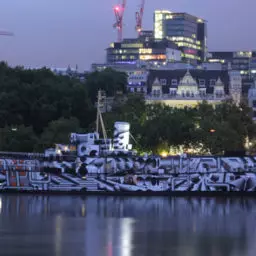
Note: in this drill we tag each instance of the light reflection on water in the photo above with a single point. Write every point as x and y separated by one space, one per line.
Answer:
126 226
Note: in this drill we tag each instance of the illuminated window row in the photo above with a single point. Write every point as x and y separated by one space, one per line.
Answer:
190 56
169 17
153 57
157 12
125 57
181 38
145 50
184 44
244 54
132 45
125 51
217 60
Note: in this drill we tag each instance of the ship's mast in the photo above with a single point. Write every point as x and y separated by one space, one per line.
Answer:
99 120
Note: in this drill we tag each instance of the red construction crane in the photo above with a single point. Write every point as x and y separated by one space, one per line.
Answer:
119 14
139 17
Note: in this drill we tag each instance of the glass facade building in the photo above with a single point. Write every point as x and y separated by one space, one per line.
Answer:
133 50
243 61
188 32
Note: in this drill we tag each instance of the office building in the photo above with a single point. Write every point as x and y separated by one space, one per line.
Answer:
243 61
137 74
139 49
188 32
146 35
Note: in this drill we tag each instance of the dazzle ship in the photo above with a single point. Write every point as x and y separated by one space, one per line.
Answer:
90 164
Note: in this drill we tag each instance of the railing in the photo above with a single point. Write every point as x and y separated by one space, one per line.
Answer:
21 155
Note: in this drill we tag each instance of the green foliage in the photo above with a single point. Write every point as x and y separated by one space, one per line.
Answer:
224 128
45 108
158 128
36 97
132 110
58 132
108 80
167 126
19 139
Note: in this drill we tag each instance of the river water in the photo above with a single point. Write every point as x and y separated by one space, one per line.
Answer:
126 226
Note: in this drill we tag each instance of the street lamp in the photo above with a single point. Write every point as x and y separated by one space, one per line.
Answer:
212 131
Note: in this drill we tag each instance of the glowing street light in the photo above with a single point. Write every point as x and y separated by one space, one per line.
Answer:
164 154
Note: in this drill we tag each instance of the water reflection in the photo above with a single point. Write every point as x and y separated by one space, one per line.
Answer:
126 237
125 226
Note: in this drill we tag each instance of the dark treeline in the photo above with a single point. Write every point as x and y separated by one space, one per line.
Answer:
39 109
206 129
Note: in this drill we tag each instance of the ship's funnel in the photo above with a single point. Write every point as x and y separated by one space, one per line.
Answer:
121 136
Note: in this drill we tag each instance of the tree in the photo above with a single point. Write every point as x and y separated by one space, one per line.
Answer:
58 132
37 97
132 110
224 128
109 80
18 139
167 127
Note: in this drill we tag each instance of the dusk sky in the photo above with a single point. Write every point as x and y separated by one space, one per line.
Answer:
58 33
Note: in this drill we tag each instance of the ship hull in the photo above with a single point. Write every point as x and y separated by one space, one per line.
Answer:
187 194
131 176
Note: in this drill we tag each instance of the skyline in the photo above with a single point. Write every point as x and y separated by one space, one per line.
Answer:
62 33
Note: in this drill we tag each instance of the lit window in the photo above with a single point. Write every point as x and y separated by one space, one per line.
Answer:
145 51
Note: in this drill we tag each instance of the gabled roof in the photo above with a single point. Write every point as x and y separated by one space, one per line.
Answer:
156 82
188 80
219 82
197 74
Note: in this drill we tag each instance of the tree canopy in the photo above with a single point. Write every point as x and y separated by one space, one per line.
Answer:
206 129
48 106
39 109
